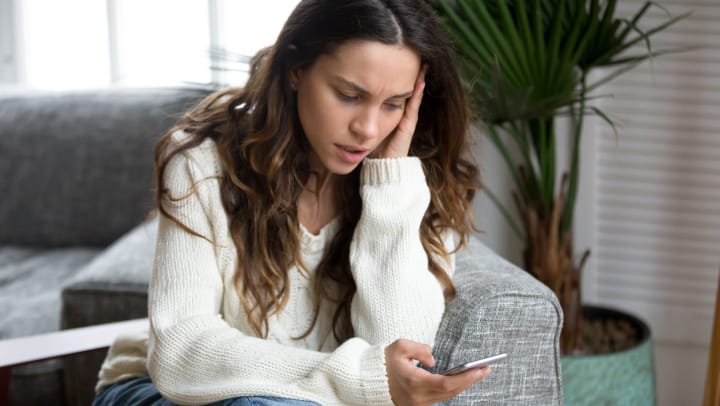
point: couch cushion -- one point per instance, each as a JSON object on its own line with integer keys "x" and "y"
{"x": 114, "y": 285}
{"x": 30, "y": 283}
{"x": 77, "y": 166}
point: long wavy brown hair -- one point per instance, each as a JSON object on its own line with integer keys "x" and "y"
{"x": 265, "y": 154}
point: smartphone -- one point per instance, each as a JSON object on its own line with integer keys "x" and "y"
{"x": 474, "y": 364}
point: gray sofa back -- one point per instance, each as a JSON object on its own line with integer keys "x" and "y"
{"x": 76, "y": 168}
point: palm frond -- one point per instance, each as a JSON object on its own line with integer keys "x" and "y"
{"x": 526, "y": 62}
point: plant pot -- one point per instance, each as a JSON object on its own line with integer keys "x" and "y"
{"x": 625, "y": 377}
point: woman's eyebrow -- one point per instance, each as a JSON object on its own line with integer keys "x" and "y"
{"x": 364, "y": 92}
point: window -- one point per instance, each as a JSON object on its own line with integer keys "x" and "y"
{"x": 91, "y": 43}
{"x": 242, "y": 31}
{"x": 160, "y": 42}
{"x": 62, "y": 44}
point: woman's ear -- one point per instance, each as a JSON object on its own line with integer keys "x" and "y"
{"x": 294, "y": 78}
{"x": 294, "y": 74}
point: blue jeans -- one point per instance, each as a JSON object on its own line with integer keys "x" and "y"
{"x": 142, "y": 392}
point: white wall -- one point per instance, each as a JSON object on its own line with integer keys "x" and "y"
{"x": 8, "y": 64}
{"x": 496, "y": 233}
{"x": 680, "y": 373}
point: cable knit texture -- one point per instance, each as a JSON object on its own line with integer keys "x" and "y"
{"x": 200, "y": 347}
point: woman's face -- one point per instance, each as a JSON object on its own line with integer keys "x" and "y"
{"x": 349, "y": 101}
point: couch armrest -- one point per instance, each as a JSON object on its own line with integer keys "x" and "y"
{"x": 500, "y": 308}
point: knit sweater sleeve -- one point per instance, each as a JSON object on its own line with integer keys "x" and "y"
{"x": 397, "y": 296}
{"x": 195, "y": 357}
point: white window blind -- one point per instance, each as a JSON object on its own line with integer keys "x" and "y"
{"x": 654, "y": 219}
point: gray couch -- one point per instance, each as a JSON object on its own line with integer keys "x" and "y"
{"x": 76, "y": 250}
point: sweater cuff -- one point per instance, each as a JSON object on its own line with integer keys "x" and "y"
{"x": 375, "y": 384}
{"x": 391, "y": 170}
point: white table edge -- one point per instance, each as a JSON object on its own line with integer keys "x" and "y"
{"x": 23, "y": 350}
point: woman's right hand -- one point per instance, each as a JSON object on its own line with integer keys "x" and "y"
{"x": 410, "y": 385}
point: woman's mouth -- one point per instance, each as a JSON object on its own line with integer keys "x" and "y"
{"x": 351, "y": 154}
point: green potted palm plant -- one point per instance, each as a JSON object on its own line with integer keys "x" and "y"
{"x": 525, "y": 63}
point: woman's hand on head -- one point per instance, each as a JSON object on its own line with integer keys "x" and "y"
{"x": 410, "y": 385}
{"x": 397, "y": 144}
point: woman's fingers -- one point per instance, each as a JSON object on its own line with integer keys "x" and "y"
{"x": 410, "y": 385}
{"x": 411, "y": 350}
{"x": 409, "y": 120}
{"x": 453, "y": 385}
{"x": 406, "y": 127}
{"x": 398, "y": 143}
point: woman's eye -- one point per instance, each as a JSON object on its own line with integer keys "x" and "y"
{"x": 394, "y": 106}
{"x": 347, "y": 97}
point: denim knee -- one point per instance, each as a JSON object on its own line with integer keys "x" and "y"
{"x": 142, "y": 392}
{"x": 263, "y": 401}
{"x": 133, "y": 392}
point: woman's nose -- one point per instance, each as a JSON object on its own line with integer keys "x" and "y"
{"x": 366, "y": 123}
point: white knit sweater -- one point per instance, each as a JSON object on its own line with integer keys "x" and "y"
{"x": 200, "y": 347}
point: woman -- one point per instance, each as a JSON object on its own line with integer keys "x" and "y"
{"x": 305, "y": 236}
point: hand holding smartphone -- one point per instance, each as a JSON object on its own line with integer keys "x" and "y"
{"x": 474, "y": 364}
